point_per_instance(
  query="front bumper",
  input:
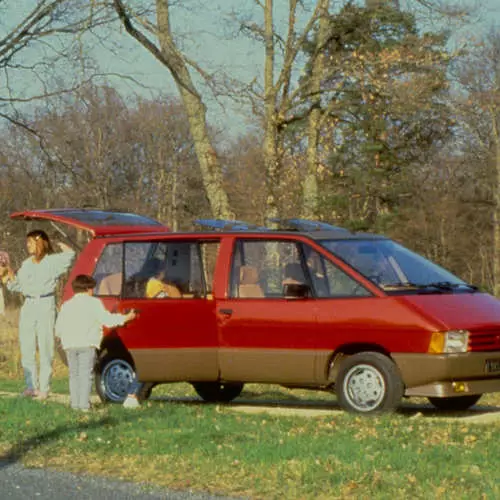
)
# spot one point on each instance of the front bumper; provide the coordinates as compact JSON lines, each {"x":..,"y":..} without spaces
{"x":448,"y":375}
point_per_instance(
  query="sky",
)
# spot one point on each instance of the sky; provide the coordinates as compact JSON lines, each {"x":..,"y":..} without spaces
{"x":209,"y":34}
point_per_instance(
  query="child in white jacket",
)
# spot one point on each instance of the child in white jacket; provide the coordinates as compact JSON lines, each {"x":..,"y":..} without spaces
{"x":79,"y":326}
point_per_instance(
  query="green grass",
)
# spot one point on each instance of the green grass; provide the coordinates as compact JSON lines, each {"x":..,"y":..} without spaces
{"x":59,"y":385}
{"x":213,"y":448}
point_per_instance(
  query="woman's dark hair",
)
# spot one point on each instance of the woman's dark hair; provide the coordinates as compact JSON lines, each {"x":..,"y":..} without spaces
{"x":83,"y":283}
{"x":44,"y":247}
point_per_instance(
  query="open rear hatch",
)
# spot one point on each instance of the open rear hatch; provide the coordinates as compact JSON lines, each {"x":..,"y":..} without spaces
{"x":96,"y":222}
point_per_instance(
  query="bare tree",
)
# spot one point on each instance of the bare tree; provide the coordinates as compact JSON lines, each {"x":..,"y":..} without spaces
{"x":478,"y":114}
{"x":38,"y":46}
{"x":165,"y":50}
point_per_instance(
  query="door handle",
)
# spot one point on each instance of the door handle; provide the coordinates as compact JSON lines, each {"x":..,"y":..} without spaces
{"x":226,"y":312}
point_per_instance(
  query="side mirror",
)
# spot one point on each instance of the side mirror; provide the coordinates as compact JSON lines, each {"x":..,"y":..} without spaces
{"x":296,"y":291}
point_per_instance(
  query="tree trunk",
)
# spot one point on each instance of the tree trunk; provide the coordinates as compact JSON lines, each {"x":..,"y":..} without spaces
{"x":170,"y":56}
{"x":271,"y":158}
{"x":197,"y":117}
{"x":310,"y":187}
{"x":496,"y":214}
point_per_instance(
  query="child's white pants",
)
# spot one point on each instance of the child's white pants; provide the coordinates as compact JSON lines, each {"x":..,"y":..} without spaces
{"x":81,"y":366}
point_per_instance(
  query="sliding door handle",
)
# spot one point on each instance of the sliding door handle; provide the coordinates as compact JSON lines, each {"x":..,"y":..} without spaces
{"x":226,"y":312}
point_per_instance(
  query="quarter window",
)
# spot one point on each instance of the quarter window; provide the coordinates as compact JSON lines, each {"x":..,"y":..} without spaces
{"x":108,"y":271}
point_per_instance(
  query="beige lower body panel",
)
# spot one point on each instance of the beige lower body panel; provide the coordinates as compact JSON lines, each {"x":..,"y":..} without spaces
{"x":278,"y":366}
{"x":174,"y":365}
{"x":445,"y":375}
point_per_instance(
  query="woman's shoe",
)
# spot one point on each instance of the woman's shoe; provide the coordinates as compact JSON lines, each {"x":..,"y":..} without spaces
{"x":28,"y":393}
{"x":41,"y":396}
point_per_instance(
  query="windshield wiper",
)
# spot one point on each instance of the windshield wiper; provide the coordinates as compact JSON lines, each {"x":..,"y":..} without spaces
{"x":446,"y":285}
{"x":405,"y":284}
{"x":439,"y":285}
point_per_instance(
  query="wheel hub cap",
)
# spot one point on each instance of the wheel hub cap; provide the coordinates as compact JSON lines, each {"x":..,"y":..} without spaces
{"x":364,"y":387}
{"x":117,"y":378}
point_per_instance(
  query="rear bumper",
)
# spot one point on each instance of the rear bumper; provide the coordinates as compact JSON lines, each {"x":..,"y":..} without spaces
{"x":446,"y":375}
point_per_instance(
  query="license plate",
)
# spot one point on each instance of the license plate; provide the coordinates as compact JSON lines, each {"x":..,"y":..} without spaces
{"x":492,"y":365}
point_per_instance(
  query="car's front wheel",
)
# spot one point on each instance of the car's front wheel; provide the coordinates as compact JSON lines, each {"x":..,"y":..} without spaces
{"x":458,"y":403}
{"x":218,"y":392}
{"x":114,"y":376}
{"x":369,"y":382}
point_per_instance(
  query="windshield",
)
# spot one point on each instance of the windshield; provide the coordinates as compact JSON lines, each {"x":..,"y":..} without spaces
{"x":392,"y":266}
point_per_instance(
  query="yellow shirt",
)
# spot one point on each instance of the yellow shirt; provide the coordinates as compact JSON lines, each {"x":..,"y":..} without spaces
{"x":157,"y":289}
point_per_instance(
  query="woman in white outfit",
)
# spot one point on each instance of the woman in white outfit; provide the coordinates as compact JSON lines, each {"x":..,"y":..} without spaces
{"x":37,"y":280}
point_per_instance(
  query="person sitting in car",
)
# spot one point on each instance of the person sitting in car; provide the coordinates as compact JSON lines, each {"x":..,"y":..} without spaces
{"x":294,"y":274}
{"x":158,"y":287}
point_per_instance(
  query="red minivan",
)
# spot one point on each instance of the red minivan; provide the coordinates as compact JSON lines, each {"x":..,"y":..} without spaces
{"x":313,"y":307}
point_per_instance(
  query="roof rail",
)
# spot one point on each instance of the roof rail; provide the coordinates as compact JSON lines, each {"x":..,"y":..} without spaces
{"x":229,"y":225}
{"x":306,"y":225}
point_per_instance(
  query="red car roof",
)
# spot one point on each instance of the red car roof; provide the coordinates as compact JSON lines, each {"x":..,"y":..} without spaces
{"x":98,"y":222}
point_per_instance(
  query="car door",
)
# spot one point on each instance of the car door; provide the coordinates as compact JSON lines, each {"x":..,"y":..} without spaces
{"x":174,"y":336}
{"x":263,"y":335}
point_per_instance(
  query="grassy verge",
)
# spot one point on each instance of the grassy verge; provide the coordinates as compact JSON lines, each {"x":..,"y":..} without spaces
{"x":212,"y":448}
{"x":203,"y":447}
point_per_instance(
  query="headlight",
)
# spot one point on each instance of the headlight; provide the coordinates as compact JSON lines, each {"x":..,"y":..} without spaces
{"x":449,"y":342}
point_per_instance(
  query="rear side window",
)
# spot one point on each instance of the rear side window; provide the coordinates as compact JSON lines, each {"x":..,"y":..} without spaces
{"x":261,"y":268}
{"x":108,"y":271}
{"x":163,"y":270}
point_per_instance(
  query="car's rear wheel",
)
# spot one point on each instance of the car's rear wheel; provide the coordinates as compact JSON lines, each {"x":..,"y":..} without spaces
{"x":218,"y":392}
{"x":114,"y":376}
{"x":369,"y":382}
{"x":458,"y":403}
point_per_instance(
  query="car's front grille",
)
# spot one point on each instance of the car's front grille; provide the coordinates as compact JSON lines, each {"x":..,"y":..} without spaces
{"x":484,"y":339}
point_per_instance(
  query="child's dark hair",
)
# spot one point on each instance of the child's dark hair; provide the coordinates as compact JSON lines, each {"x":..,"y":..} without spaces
{"x":83,"y":283}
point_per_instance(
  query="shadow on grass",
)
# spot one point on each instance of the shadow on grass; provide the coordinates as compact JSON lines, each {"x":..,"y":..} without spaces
{"x":21,"y":448}
{"x":406,"y":408}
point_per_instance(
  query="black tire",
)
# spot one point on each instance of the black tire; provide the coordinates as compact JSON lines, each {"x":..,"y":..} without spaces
{"x":218,"y":392}
{"x":458,"y":403}
{"x":114,"y":375}
{"x":369,"y":382}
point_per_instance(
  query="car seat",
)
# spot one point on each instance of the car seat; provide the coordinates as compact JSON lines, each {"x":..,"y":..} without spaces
{"x":110,"y":285}
{"x":249,"y":283}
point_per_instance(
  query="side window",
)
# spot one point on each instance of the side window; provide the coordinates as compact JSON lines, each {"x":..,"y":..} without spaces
{"x":162,"y":270}
{"x":108,"y":271}
{"x":209,"y":251}
{"x":330,"y":281}
{"x":261,"y":268}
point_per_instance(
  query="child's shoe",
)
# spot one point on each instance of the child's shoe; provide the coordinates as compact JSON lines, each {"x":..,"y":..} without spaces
{"x":131,"y":402}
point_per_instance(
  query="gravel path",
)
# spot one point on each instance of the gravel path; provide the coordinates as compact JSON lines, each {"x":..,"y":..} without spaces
{"x":20,"y":483}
